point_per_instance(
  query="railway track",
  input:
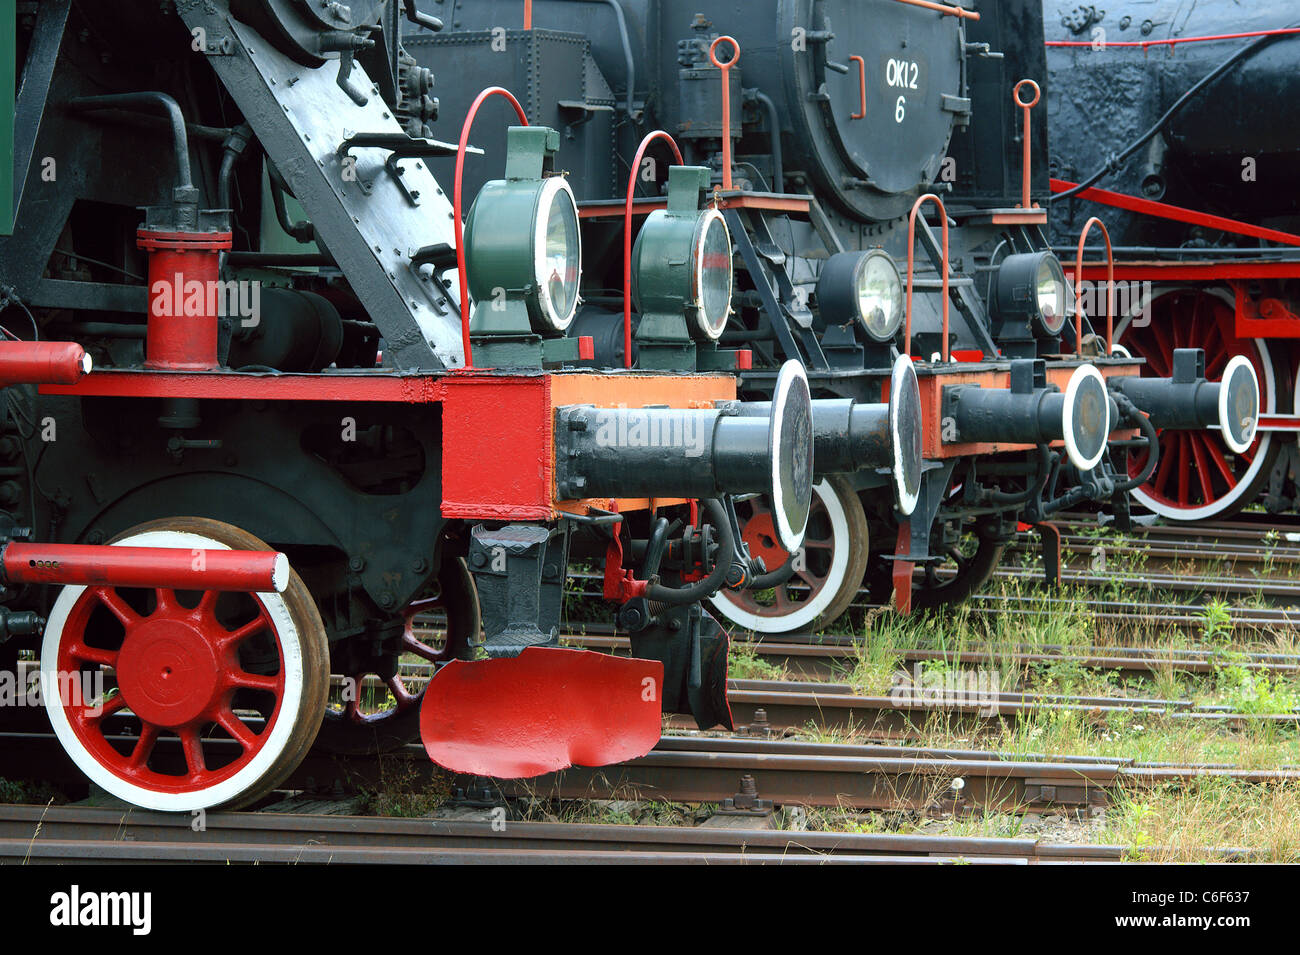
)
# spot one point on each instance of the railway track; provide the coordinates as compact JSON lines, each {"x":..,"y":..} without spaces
{"x":700,"y":769}
{"x":65,"y":834}
{"x":767,"y":706}
{"x":827,"y":657}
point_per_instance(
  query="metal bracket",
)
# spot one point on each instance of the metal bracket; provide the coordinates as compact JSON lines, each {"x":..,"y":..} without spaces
{"x":399,"y":146}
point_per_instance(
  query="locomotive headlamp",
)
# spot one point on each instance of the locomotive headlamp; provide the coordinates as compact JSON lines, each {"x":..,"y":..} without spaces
{"x":864,"y":286}
{"x":1031,"y":287}
{"x":523,"y":249}
{"x":681,"y":273}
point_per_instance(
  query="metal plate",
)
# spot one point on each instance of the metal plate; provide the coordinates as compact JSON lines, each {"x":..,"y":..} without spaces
{"x":1086,"y":417}
{"x":905,"y":434}
{"x":791,"y":437}
{"x":1239,"y":404}
{"x":361,"y":214}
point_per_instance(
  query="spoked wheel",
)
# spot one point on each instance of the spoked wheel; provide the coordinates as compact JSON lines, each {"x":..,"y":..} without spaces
{"x":209,"y":699}
{"x":963,"y":569}
{"x":1198,"y":477}
{"x":966,"y":567}
{"x":374,"y":708}
{"x":827,"y":575}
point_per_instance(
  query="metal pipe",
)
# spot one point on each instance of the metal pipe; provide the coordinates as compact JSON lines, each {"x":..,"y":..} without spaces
{"x":134,"y":101}
{"x":178,"y":568}
{"x":42,"y":363}
{"x":778,"y":160}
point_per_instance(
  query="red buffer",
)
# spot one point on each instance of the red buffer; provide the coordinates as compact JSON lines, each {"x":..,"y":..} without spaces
{"x":250,"y":571}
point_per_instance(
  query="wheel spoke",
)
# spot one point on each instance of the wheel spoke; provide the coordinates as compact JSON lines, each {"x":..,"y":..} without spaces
{"x":1202,"y":468}
{"x":253,"y":681}
{"x":404,"y":697}
{"x":167,"y":602}
{"x":236,"y":727}
{"x":207,"y":603}
{"x":413,"y":645}
{"x":1184,"y":471}
{"x":1164,"y":467}
{"x":120,"y":609}
{"x":107,"y":708}
{"x":143,"y":746}
{"x":79,"y":651}
{"x":1219,"y":461}
{"x":236,"y":637}
{"x":193,"y":747}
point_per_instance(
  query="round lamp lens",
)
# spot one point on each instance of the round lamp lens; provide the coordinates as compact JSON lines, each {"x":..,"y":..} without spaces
{"x":561,"y":257}
{"x":880,"y":297}
{"x":1051,"y":293}
{"x":714,"y":276}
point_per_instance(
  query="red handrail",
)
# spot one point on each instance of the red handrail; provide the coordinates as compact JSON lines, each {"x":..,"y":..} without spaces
{"x":911,"y":256}
{"x":726,"y":103}
{"x":528,"y":14}
{"x":1110,"y":288}
{"x":1174,"y":41}
{"x":946,"y":10}
{"x":627,"y":235}
{"x":457,"y":224}
{"x":1015,"y":95}
{"x":862,"y":87}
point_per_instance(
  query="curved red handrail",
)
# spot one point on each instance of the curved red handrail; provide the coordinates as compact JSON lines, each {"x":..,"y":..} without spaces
{"x":1110,"y":288}
{"x":457,"y":223}
{"x":911,"y":256}
{"x":726,"y":102}
{"x":627,"y":235}
{"x":1015,"y":95}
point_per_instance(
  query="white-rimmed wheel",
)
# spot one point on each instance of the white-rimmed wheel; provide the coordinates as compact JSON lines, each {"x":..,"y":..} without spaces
{"x":211,"y":699}
{"x":826,"y":574}
{"x":1198,"y":476}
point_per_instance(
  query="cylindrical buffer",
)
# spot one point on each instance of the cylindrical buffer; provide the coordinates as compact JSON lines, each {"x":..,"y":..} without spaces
{"x":179,"y":568}
{"x":1187,"y":402}
{"x":695,"y":452}
{"x":1081,"y":415}
{"x":42,"y":363}
{"x":850,"y":436}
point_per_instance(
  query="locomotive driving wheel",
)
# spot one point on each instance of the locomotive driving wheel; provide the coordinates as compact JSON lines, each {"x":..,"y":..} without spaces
{"x":185,"y":700}
{"x":1198,"y":477}
{"x":826,"y":576}
{"x":376,"y":707}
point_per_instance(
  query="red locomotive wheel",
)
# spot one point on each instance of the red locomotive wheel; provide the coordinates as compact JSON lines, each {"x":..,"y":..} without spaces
{"x":1198,"y":477}
{"x":828,"y":576}
{"x":380,"y":712}
{"x":208,"y":699}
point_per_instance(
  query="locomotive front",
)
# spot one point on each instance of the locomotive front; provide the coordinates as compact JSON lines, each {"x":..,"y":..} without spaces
{"x":284,"y":454}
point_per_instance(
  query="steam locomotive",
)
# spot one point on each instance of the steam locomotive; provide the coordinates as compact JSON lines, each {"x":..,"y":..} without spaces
{"x":295,"y":352}
{"x":840,"y":117}
{"x":1168,"y":115}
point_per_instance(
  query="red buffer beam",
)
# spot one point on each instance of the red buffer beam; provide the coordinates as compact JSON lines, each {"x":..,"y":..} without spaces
{"x":178,"y":568}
